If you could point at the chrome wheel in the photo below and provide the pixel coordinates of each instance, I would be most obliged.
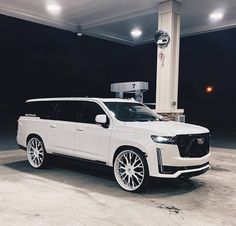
(35, 152)
(129, 170)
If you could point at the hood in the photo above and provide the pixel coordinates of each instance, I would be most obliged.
(168, 128)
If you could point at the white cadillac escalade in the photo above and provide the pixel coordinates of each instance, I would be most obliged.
(123, 134)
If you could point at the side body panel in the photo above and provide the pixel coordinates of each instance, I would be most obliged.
(92, 141)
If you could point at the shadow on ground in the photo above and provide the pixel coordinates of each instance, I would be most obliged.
(98, 178)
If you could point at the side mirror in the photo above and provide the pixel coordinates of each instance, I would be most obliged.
(101, 119)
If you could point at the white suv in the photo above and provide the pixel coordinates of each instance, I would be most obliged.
(123, 134)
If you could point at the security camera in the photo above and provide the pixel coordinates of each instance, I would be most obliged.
(79, 31)
(162, 39)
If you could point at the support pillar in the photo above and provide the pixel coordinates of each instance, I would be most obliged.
(168, 59)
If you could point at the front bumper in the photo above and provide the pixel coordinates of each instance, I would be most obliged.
(193, 174)
(164, 161)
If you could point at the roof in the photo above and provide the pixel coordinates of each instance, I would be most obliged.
(81, 99)
(113, 19)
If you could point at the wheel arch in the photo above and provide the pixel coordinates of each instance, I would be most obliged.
(31, 136)
(127, 147)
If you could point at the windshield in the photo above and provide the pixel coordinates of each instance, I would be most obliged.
(132, 112)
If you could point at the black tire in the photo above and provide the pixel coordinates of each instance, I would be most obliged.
(36, 153)
(131, 170)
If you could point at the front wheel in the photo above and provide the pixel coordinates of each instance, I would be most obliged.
(36, 153)
(131, 171)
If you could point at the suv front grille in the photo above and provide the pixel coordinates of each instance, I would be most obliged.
(193, 146)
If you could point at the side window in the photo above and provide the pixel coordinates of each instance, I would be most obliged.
(90, 111)
(43, 109)
(69, 111)
(49, 110)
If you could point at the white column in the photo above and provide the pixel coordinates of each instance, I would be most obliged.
(168, 58)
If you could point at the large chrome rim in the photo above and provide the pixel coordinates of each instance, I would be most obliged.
(129, 170)
(35, 152)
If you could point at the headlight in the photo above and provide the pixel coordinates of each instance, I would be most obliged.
(163, 140)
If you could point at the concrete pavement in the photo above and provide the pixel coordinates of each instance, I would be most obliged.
(72, 193)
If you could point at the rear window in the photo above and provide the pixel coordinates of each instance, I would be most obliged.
(43, 109)
(70, 111)
(79, 111)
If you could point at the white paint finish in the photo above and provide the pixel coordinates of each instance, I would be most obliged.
(168, 58)
(113, 20)
(167, 128)
(93, 142)
(80, 98)
(60, 136)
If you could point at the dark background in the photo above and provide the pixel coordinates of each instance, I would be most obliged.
(40, 61)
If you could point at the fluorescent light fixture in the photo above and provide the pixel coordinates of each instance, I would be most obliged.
(215, 16)
(54, 8)
(136, 32)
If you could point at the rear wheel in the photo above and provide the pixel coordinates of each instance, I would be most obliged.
(36, 153)
(131, 171)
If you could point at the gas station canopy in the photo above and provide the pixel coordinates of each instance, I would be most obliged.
(131, 22)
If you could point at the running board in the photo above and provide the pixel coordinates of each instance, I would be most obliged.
(81, 159)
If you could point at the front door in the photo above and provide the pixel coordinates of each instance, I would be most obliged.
(91, 140)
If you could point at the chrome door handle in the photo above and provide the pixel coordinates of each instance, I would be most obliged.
(79, 129)
(53, 126)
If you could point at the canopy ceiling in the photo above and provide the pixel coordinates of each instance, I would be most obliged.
(114, 19)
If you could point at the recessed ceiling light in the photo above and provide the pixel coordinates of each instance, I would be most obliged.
(216, 16)
(54, 8)
(136, 32)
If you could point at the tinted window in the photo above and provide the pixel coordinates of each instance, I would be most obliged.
(70, 111)
(90, 111)
(131, 112)
(43, 109)
(79, 111)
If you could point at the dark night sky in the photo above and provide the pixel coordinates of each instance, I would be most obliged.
(39, 61)
(209, 59)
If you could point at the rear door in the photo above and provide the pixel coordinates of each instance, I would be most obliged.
(62, 130)
(43, 114)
